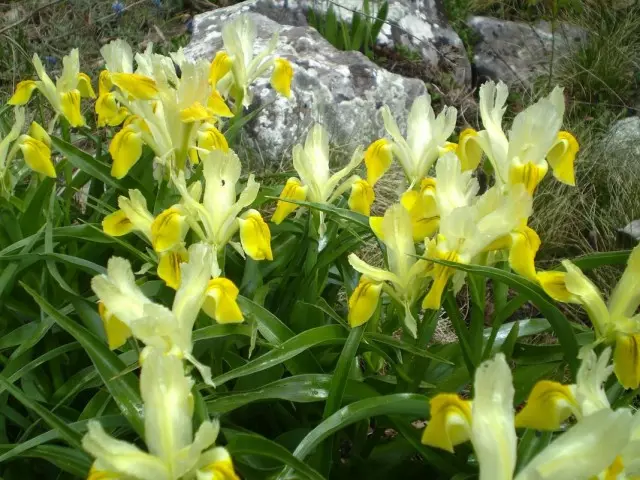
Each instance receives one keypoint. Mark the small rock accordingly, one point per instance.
(623, 139)
(341, 90)
(518, 52)
(632, 230)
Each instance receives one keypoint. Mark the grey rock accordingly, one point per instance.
(632, 230)
(517, 52)
(419, 25)
(341, 90)
(623, 139)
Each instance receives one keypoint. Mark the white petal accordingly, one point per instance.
(454, 187)
(374, 273)
(625, 297)
(221, 172)
(195, 275)
(592, 374)
(118, 56)
(398, 237)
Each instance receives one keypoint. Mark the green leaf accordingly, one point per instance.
(353, 217)
(331, 334)
(123, 388)
(244, 444)
(595, 260)
(381, 18)
(70, 460)
(221, 331)
(402, 345)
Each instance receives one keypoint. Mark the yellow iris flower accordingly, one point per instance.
(173, 449)
(488, 422)
(616, 322)
(63, 96)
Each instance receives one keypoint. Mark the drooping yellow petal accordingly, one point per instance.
(210, 138)
(525, 243)
(23, 92)
(548, 406)
(626, 360)
(169, 267)
(218, 106)
(109, 113)
(117, 332)
(363, 301)
(441, 275)
(377, 159)
(450, 422)
(70, 102)
(39, 133)
(195, 112)
(37, 156)
(553, 283)
(104, 83)
(293, 190)
(125, 150)
(117, 224)
(423, 211)
(255, 236)
(138, 86)
(362, 197)
(84, 86)
(528, 174)
(220, 66)
(220, 302)
(375, 223)
(469, 151)
(561, 157)
(282, 76)
(168, 229)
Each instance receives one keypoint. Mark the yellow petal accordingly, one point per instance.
(528, 174)
(109, 113)
(210, 138)
(614, 471)
(554, 284)
(377, 159)
(23, 92)
(220, 302)
(626, 360)
(441, 275)
(126, 150)
(548, 406)
(450, 422)
(117, 332)
(500, 243)
(39, 133)
(255, 236)
(37, 156)
(525, 243)
(375, 223)
(221, 468)
(218, 106)
(169, 267)
(282, 76)
(195, 113)
(104, 82)
(220, 66)
(70, 102)
(469, 151)
(562, 156)
(168, 229)
(138, 86)
(423, 211)
(361, 197)
(117, 224)
(363, 301)
(428, 186)
(447, 147)
(84, 86)
(293, 190)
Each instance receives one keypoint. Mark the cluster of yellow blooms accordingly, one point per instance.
(178, 116)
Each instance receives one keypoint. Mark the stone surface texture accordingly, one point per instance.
(341, 90)
(517, 52)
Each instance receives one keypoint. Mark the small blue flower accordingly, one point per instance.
(189, 25)
(157, 3)
(117, 7)
(50, 60)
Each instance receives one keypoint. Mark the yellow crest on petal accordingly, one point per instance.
(220, 66)
(529, 174)
(441, 275)
(70, 102)
(469, 151)
(168, 229)
(210, 138)
(108, 110)
(117, 224)
(221, 469)
(626, 359)
(282, 76)
(37, 156)
(220, 302)
(362, 197)
(218, 106)
(117, 332)
(195, 113)
(293, 190)
(525, 243)
(255, 236)
(138, 86)
(450, 422)
(562, 156)
(169, 267)
(23, 92)
(125, 150)
(84, 86)
(363, 301)
(548, 406)
(104, 82)
(377, 159)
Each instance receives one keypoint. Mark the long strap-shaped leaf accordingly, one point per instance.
(123, 388)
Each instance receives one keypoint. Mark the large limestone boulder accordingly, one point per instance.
(341, 90)
(518, 52)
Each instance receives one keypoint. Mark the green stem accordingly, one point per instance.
(418, 364)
